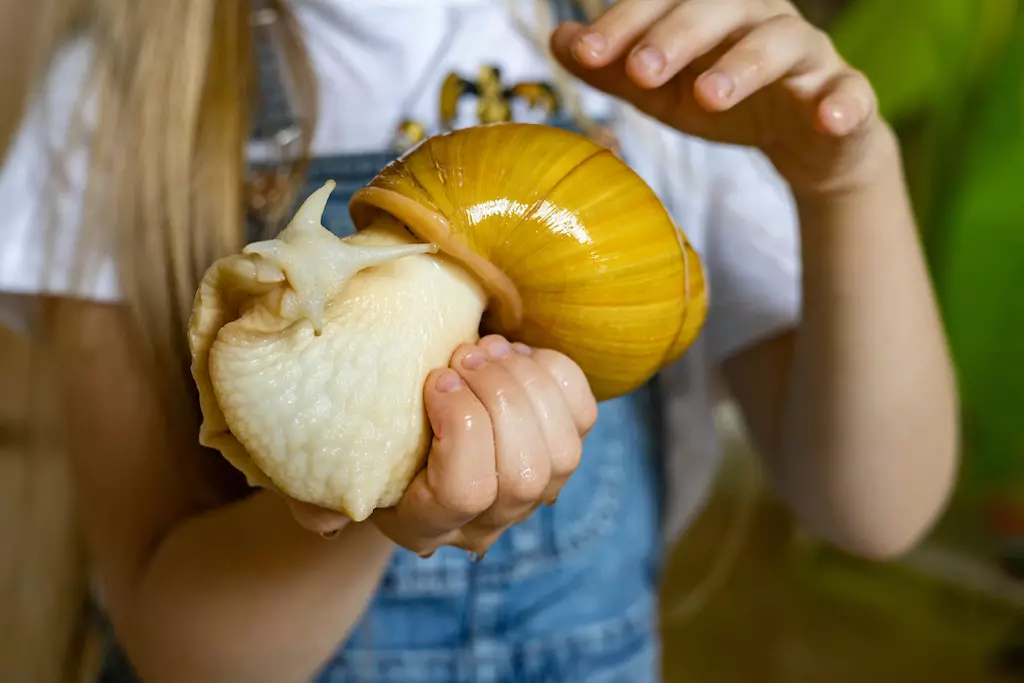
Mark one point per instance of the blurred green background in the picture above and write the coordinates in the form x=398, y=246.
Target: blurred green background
x=950, y=78
x=949, y=75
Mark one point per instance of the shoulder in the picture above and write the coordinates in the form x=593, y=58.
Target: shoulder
x=42, y=183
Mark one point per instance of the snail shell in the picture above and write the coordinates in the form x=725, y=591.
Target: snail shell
x=310, y=352
x=575, y=250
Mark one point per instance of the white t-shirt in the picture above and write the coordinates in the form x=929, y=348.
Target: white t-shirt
x=379, y=61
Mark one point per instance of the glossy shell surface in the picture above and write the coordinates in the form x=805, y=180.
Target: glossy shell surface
x=576, y=251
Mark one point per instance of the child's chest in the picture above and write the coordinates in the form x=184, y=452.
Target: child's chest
x=379, y=63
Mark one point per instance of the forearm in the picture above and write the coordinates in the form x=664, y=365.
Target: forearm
x=869, y=434
x=245, y=594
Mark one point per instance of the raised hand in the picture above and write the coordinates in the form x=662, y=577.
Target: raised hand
x=750, y=72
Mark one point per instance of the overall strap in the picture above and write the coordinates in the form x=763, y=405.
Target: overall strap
x=275, y=132
x=274, y=116
x=568, y=10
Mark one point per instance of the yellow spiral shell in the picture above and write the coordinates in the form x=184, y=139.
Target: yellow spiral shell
x=575, y=250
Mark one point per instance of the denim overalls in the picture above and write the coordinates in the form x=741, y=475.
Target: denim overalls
x=568, y=596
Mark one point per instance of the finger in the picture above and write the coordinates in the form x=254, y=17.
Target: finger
x=556, y=422
x=785, y=46
x=459, y=481
x=611, y=79
x=521, y=457
x=848, y=105
x=689, y=31
x=610, y=36
x=477, y=539
x=321, y=521
x=573, y=385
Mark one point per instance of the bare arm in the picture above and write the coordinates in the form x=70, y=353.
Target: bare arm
x=197, y=592
x=245, y=594
x=856, y=410
x=201, y=589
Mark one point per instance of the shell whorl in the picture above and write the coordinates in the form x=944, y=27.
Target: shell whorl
x=575, y=250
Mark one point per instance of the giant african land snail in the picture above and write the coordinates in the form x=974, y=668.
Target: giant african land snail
x=310, y=352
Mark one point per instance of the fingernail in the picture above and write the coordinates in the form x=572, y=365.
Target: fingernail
x=840, y=116
x=591, y=45
x=719, y=84
x=836, y=119
x=650, y=59
x=474, y=360
x=427, y=556
x=523, y=349
x=477, y=557
x=448, y=382
x=330, y=534
x=499, y=350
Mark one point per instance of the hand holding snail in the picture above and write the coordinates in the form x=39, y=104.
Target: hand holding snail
x=749, y=72
x=508, y=425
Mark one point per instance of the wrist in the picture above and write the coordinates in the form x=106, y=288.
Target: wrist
x=870, y=162
x=872, y=204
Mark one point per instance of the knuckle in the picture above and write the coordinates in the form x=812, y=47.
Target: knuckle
x=673, y=35
x=588, y=414
x=567, y=459
x=744, y=10
x=524, y=487
x=573, y=383
x=818, y=38
x=559, y=366
x=787, y=22
x=862, y=91
x=468, y=499
x=779, y=31
x=855, y=78
x=860, y=83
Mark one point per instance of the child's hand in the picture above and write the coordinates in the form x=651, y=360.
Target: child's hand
x=750, y=72
x=508, y=425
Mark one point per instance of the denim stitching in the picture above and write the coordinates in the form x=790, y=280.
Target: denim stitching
x=634, y=632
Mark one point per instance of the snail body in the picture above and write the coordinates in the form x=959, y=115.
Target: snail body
x=310, y=352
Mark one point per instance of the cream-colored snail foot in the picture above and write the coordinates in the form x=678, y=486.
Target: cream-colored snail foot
x=310, y=353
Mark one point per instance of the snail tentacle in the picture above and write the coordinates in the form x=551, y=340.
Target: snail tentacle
x=316, y=262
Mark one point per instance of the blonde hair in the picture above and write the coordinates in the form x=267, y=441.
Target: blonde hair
x=171, y=83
